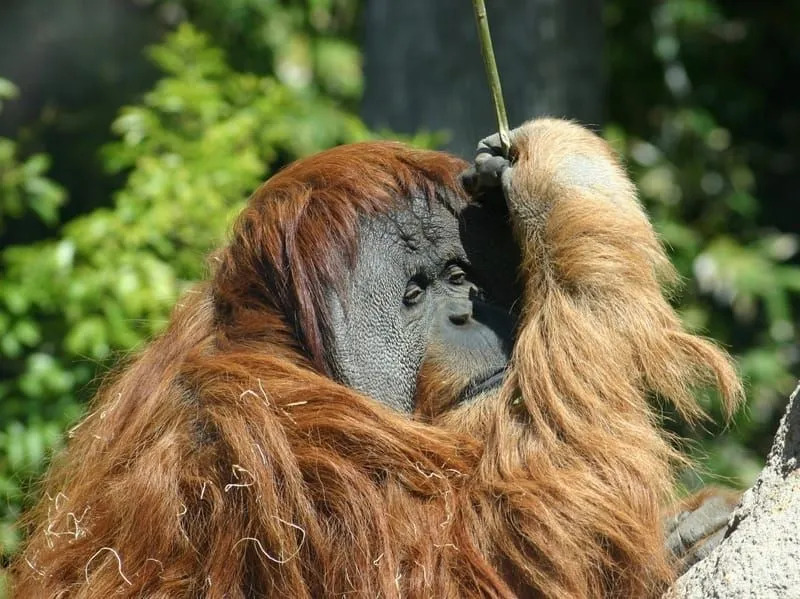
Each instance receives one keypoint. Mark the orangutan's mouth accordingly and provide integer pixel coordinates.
(484, 383)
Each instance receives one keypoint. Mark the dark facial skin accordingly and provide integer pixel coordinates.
(414, 296)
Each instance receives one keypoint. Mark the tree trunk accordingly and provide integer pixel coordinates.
(423, 66)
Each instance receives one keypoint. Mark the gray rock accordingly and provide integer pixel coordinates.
(760, 555)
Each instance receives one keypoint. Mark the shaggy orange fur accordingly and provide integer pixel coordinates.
(223, 462)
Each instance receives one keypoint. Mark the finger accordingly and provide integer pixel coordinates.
(712, 515)
(490, 145)
(672, 522)
(490, 169)
(707, 519)
(703, 550)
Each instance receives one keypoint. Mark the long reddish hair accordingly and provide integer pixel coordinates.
(298, 234)
(223, 462)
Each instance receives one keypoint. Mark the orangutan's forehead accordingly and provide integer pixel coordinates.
(420, 225)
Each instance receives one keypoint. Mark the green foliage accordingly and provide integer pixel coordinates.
(201, 140)
(307, 44)
(23, 186)
(697, 179)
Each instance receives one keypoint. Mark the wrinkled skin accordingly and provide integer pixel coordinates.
(416, 295)
(438, 282)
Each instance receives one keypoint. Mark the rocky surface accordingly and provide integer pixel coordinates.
(760, 555)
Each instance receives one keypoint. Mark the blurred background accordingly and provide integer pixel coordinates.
(131, 132)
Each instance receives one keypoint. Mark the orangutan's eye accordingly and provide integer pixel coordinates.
(456, 275)
(415, 290)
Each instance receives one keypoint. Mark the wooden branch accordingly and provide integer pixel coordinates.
(491, 73)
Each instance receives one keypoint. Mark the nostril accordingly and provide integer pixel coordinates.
(460, 318)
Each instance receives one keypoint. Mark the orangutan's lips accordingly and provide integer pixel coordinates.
(483, 384)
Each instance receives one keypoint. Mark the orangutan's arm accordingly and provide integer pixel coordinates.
(574, 211)
(592, 261)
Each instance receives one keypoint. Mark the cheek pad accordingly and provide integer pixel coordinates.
(377, 343)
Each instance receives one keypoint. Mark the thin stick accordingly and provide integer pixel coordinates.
(491, 73)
